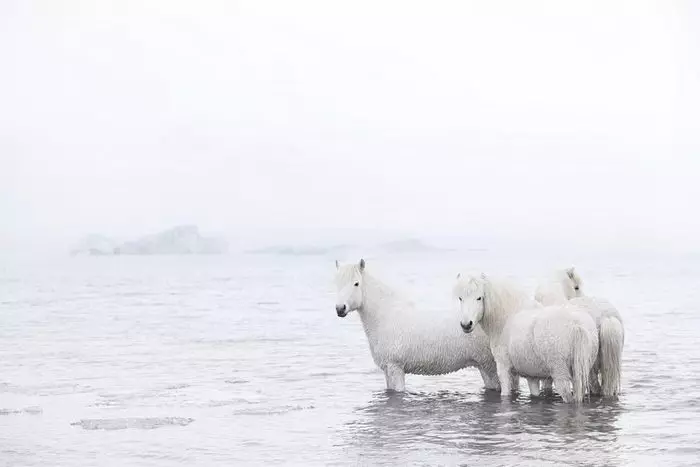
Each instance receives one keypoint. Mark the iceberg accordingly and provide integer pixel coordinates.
(95, 245)
(179, 240)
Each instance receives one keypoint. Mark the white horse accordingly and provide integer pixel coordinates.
(562, 286)
(403, 339)
(558, 342)
(611, 331)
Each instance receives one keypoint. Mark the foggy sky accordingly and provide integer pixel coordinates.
(492, 118)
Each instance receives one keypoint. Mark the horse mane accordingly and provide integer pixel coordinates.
(502, 298)
(503, 295)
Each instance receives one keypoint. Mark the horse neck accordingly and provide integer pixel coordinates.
(501, 304)
(493, 323)
(377, 296)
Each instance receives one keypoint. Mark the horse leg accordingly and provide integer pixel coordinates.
(563, 384)
(514, 382)
(395, 378)
(534, 384)
(490, 380)
(593, 383)
(504, 376)
(547, 384)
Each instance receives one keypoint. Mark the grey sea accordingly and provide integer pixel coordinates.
(241, 360)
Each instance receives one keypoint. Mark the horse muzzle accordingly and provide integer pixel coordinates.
(467, 328)
(341, 311)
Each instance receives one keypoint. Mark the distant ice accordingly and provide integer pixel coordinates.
(179, 240)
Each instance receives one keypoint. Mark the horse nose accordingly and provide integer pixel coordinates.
(340, 310)
(467, 327)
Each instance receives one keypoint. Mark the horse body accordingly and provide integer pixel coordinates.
(522, 347)
(555, 343)
(558, 342)
(403, 339)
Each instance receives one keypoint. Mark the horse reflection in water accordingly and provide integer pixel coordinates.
(478, 429)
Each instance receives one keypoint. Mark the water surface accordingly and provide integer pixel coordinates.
(241, 360)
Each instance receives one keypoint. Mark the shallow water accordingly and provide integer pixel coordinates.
(241, 360)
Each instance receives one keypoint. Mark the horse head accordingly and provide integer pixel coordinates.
(349, 281)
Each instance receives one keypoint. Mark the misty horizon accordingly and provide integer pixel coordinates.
(308, 122)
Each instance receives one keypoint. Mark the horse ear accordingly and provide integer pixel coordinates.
(484, 276)
(337, 264)
(459, 274)
(570, 272)
(362, 265)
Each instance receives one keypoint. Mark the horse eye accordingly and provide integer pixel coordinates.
(575, 288)
(357, 284)
(479, 298)
(460, 299)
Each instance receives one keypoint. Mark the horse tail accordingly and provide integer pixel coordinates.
(611, 343)
(580, 361)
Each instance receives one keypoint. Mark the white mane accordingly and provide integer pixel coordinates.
(347, 273)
